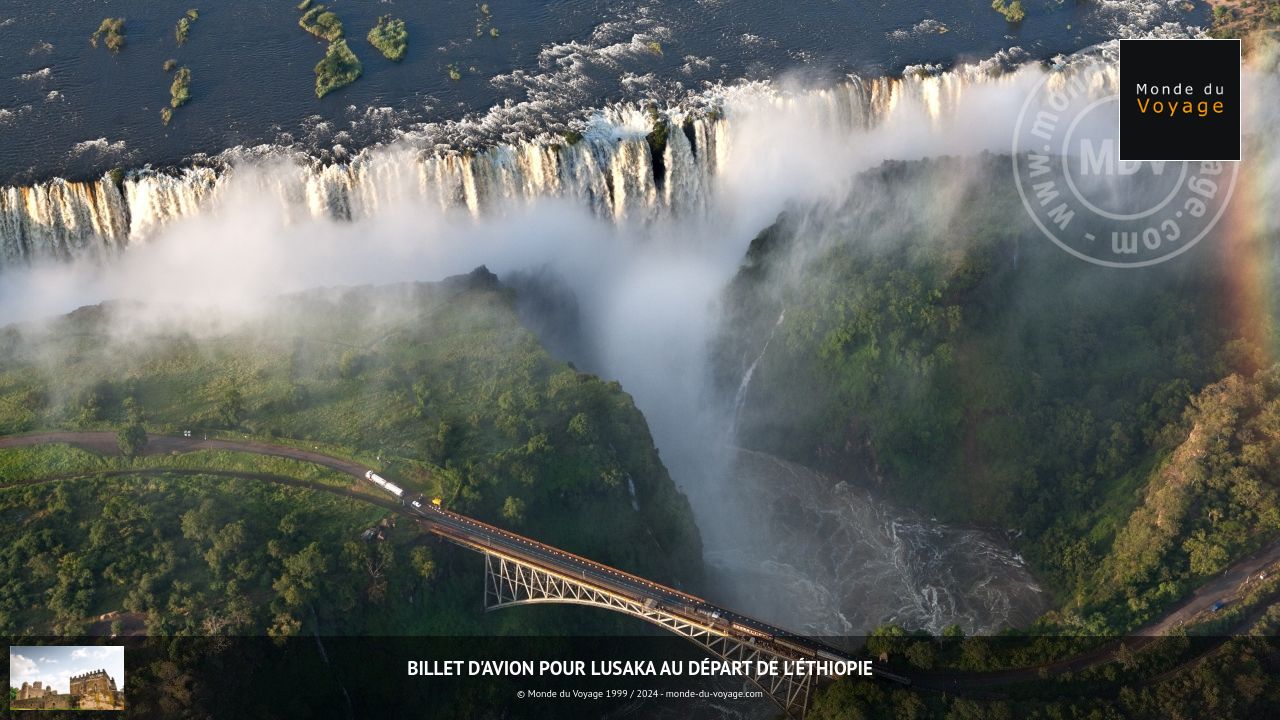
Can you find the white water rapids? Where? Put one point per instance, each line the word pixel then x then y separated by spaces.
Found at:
pixel 840 562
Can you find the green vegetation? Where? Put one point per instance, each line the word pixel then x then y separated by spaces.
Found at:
pixel 1012 11
pixel 180 88
pixel 304 4
pixel 657 137
pixel 339 67
pixel 437 386
pixel 1213 498
pixel 1128 427
pixel 111 32
pixel 132 439
pixel 322 23
pixel 1120 423
pixel 1245 19
pixel 484 21
pixel 166 115
pixel 36 462
pixel 1223 666
pixel 1237 681
pixel 183 28
pixel 180 555
pixel 454 74
pixel 390 37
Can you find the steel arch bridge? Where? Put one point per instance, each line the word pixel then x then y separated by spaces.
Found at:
pixel 510 582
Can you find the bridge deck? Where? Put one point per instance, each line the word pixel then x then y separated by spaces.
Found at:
pixel 483 537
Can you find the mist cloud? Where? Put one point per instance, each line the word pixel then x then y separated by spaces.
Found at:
pixel 646 290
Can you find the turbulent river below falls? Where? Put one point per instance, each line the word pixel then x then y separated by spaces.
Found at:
pixel 835 560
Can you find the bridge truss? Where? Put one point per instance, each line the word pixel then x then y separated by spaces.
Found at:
pixel 509 581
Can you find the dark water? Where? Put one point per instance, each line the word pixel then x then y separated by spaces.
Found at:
pixel 69 109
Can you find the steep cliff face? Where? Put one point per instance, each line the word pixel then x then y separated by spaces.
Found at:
pixel 437 385
pixel 919 334
pixel 1215 496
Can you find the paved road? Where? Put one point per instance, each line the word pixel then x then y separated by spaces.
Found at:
pixel 105 442
pixel 465 531
pixel 478 535
pixel 1225 586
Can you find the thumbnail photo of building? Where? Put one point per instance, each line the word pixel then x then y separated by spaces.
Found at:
pixel 66 677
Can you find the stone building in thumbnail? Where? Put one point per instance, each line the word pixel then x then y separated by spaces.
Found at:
pixel 36 696
pixel 91 691
pixel 96 691
pixel 32 691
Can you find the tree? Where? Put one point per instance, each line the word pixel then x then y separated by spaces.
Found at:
pixel 302 571
pixel 133 411
pixel 349 364
pixel 298 397
pixel 580 427
pixel 94 403
pixel 1206 557
pixel 227 545
pixel 1012 12
pixel 390 37
pixel 886 641
pixel 111 31
pixel 180 88
pixel 198 523
pixel 922 654
pixel 338 68
pixel 422 561
pixel 132 439
pixel 231 407
pixel 513 510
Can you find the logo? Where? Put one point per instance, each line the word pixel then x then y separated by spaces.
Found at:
pixel 1180 99
pixel 1101 209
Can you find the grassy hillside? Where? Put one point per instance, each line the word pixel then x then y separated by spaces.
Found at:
pixel 439 386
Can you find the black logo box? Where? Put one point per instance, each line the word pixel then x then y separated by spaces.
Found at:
pixel 1193 63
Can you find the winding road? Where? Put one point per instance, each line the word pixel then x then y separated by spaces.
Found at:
pixel 104 442
pixel 1225 586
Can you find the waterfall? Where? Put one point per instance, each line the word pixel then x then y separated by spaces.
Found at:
pixel 610 167
pixel 740 398
pixel 631 488
pixel 62 220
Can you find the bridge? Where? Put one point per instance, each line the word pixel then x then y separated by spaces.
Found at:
pixel 523 571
